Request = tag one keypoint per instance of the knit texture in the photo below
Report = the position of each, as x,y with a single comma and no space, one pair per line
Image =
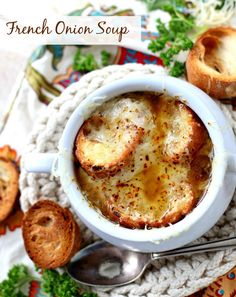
172,277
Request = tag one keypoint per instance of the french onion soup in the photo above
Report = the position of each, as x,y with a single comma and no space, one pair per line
143,159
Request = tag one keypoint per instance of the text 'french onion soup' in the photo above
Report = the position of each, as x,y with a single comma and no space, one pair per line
143,159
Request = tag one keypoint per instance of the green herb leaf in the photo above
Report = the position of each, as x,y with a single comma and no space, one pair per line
62,285
181,24
157,45
49,280
173,37
220,5
66,287
182,42
105,57
84,63
161,27
18,272
87,62
53,283
177,69
18,276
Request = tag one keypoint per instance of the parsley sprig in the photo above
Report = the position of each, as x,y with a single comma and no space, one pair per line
105,57
84,62
173,37
18,277
52,282
62,285
87,62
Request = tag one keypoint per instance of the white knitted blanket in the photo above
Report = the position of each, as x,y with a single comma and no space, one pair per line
172,277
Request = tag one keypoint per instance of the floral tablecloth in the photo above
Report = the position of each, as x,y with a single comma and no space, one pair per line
48,73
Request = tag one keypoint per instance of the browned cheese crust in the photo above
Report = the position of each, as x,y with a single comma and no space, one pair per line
186,132
211,63
150,182
51,235
181,202
101,159
8,187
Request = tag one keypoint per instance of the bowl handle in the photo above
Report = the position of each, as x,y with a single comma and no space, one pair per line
40,162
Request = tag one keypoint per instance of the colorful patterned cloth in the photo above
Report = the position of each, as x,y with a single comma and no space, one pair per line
48,73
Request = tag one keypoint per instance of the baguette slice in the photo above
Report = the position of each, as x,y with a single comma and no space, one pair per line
103,148
141,215
185,132
8,187
211,63
51,235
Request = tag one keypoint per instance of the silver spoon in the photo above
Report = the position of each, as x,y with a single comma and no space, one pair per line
104,265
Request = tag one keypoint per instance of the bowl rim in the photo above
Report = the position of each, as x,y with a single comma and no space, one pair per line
199,102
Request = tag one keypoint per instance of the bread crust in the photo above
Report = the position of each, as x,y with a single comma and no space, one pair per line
186,134
85,148
51,235
9,176
205,63
181,203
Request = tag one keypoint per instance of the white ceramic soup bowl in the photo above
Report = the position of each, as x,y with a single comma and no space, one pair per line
201,218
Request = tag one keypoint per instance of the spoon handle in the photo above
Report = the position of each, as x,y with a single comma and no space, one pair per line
209,246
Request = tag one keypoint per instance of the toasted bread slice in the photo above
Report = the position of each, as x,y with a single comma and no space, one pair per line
185,133
103,148
136,213
50,233
211,63
8,154
8,187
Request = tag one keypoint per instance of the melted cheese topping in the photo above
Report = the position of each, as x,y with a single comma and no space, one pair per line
120,120
149,187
